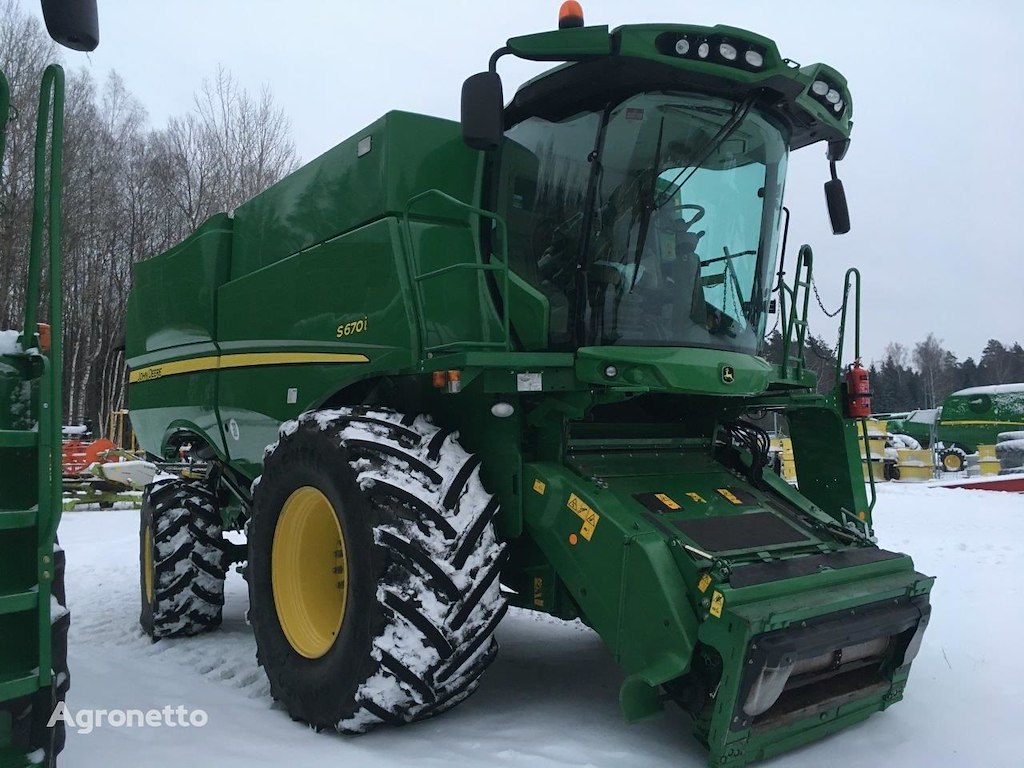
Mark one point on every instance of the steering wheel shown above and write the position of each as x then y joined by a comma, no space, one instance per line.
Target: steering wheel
679,224
697,215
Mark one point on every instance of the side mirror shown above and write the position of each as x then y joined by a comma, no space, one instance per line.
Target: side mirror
838,212
73,23
837,149
483,111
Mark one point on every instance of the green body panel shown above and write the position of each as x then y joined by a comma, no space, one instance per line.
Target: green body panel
562,44
675,369
355,277
384,255
827,455
189,276
405,154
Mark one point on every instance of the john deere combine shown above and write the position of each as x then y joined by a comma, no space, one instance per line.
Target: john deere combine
34,618
443,369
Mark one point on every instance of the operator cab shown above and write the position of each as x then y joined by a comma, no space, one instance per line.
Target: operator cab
642,182
667,202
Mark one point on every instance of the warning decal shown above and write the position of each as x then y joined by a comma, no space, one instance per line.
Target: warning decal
589,517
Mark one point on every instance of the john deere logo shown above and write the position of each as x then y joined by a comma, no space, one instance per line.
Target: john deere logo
728,374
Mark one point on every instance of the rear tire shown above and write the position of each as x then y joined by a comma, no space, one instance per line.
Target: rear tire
181,560
419,569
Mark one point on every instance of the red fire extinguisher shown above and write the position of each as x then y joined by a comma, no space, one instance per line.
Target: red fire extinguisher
858,391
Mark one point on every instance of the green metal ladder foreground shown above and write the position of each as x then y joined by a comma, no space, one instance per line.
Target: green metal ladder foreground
31,571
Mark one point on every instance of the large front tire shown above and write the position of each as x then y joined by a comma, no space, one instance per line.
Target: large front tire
373,569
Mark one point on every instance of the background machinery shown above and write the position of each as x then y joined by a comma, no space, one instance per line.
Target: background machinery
443,369
968,418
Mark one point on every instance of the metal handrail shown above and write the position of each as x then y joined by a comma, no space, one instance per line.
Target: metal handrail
51,113
853,276
804,263
51,108
495,266
852,272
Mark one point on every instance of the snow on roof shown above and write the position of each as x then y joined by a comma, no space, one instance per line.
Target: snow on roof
9,342
924,415
992,389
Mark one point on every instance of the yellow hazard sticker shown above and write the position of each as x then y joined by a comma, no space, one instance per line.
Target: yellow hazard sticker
717,604
539,487
538,591
667,501
589,517
704,583
730,496
696,497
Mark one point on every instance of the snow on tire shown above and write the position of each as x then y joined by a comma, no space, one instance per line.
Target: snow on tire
1011,452
181,559
422,564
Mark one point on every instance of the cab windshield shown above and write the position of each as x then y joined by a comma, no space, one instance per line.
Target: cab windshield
651,222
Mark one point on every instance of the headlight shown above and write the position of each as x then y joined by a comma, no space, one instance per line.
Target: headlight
727,51
753,58
832,97
703,50
819,87
682,46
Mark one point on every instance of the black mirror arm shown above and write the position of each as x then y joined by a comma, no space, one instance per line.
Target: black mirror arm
492,65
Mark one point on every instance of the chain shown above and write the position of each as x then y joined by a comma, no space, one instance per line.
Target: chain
807,344
775,327
814,285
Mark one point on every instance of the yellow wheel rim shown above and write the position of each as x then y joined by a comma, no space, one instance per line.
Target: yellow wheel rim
309,572
952,462
147,564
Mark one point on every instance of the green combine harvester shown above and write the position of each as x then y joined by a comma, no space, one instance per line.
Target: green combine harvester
447,368
34,618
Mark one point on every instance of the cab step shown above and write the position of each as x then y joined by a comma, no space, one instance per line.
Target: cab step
13,519
18,438
16,686
18,602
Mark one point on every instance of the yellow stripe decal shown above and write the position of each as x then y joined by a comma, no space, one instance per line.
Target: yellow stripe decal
172,369
959,423
241,360
287,358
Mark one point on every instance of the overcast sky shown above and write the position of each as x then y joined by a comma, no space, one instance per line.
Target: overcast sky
935,174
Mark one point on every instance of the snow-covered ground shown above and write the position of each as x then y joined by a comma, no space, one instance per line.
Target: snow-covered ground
550,699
